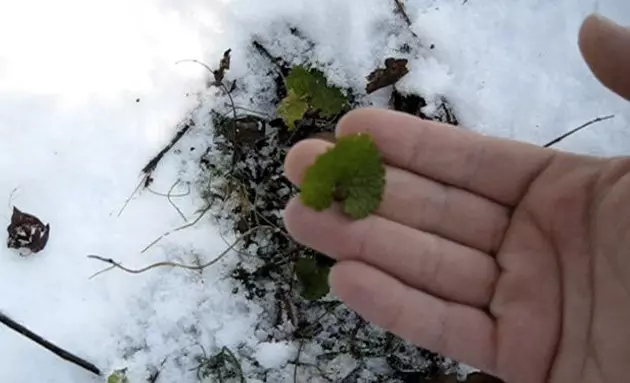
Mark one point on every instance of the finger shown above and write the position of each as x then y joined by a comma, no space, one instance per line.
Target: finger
453,330
424,204
421,260
500,170
606,49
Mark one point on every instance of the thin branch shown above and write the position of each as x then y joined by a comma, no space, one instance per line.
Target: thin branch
124,206
562,137
170,200
227,91
265,52
186,226
401,9
297,360
13,325
152,165
186,194
117,265
101,272
12,195
254,111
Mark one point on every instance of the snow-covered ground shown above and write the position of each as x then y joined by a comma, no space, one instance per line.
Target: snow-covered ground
89,92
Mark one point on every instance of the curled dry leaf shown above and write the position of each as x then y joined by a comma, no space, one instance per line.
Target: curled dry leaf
394,70
27,232
224,66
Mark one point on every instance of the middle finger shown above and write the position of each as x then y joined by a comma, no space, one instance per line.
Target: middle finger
423,204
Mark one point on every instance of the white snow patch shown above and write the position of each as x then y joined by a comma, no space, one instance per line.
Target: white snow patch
272,355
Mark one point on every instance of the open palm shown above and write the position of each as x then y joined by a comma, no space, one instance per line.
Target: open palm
503,255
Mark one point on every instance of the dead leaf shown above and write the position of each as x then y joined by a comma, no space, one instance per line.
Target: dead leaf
224,66
394,70
27,232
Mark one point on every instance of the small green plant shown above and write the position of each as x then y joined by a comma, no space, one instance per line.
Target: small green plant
221,367
118,376
351,172
307,89
313,278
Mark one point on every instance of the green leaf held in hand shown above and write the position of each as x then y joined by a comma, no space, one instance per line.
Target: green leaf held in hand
291,109
313,277
351,172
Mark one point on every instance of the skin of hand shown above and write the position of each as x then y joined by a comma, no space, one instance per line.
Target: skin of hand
506,256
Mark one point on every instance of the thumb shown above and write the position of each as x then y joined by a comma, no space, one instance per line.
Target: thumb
606,49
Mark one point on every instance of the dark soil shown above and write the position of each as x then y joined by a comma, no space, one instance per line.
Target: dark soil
249,190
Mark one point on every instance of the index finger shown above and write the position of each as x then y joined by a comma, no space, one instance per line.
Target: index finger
498,169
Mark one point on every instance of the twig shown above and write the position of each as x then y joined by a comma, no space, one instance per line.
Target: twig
186,226
48,345
124,206
225,88
254,111
170,200
282,66
291,309
401,9
187,193
12,195
263,51
594,121
152,165
154,376
101,272
175,264
297,360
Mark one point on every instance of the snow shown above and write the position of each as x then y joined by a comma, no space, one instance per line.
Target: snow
272,355
74,140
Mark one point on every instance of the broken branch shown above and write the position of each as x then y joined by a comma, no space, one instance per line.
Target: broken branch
114,264
152,165
401,9
13,325
562,137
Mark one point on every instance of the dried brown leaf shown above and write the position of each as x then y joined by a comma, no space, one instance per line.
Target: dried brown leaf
224,65
394,70
27,232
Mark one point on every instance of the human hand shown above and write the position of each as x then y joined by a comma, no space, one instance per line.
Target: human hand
503,255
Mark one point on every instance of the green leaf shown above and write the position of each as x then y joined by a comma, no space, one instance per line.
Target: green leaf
313,278
301,81
352,172
309,88
328,99
292,108
118,376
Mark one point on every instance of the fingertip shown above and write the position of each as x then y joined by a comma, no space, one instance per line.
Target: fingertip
605,46
358,120
588,34
301,156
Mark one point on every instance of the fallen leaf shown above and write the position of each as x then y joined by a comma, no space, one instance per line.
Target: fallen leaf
313,278
292,109
27,232
118,376
224,65
308,89
394,70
